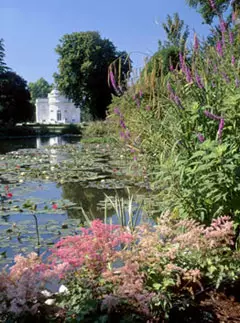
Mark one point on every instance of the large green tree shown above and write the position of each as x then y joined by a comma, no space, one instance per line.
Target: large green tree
3,66
39,89
212,8
84,58
14,99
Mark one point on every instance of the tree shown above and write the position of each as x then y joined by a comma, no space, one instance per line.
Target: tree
39,89
84,58
3,66
176,31
14,99
212,8
168,51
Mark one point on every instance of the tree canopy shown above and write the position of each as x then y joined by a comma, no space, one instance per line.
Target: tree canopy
15,103
167,55
84,58
39,89
14,99
3,66
210,9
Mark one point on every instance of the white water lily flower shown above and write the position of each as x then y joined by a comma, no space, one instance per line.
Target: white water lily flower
63,289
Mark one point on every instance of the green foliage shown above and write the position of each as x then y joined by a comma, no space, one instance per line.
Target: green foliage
14,99
72,129
3,66
97,129
83,64
207,12
184,124
166,264
176,31
39,89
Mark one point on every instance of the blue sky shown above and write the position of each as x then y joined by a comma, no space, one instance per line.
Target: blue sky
31,29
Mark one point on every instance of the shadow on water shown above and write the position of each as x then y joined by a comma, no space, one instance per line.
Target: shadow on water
12,144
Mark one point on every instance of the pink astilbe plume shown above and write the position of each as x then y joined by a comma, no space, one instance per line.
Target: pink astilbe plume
94,247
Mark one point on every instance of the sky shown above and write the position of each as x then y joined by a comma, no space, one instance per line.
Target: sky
31,29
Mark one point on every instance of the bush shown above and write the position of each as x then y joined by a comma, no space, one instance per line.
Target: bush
72,129
112,273
97,129
186,126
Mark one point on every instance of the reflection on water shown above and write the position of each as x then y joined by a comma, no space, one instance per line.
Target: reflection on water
89,199
7,145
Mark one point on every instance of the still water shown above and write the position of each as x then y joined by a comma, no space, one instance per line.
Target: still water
18,228
7,145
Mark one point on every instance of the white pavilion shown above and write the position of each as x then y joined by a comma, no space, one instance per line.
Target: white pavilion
56,109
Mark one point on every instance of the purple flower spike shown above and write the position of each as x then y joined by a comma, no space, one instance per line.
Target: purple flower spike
200,137
234,16
113,82
219,48
140,94
182,61
117,111
199,81
211,115
231,37
171,68
212,4
122,124
188,75
196,43
220,128
233,60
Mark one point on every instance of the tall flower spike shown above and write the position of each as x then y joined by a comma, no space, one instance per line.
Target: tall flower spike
212,4
196,43
220,128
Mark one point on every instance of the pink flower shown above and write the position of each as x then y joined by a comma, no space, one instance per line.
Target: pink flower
54,206
9,195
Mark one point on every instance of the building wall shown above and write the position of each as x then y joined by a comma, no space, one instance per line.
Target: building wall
42,110
56,109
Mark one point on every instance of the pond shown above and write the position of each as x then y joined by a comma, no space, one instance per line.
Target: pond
7,145
51,186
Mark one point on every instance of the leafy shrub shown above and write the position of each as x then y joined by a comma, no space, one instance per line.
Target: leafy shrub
112,273
72,129
185,126
97,129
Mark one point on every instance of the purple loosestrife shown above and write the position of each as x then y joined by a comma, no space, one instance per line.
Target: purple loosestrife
211,115
233,60
171,68
226,78
188,75
182,62
196,43
220,128
212,4
200,137
234,16
219,48
199,81
122,124
113,82
117,111
231,39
